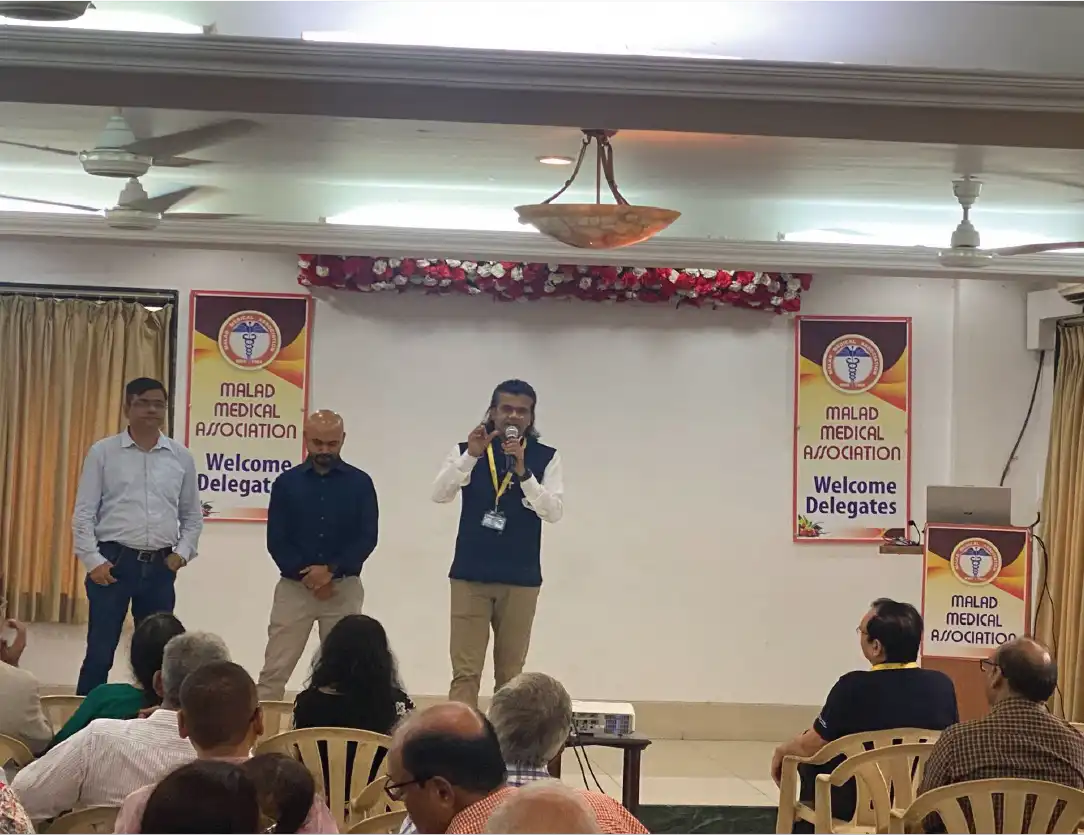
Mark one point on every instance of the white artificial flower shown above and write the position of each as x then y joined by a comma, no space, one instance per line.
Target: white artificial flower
709,273
790,294
497,270
586,283
304,263
322,272
629,294
423,262
395,263
428,281
750,288
793,285
445,282
639,272
556,277
469,267
777,300
517,273
553,267
549,287
304,281
473,291
366,288
400,280
380,266
484,270
451,262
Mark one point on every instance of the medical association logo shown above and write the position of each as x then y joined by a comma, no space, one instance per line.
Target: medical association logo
852,364
976,561
249,340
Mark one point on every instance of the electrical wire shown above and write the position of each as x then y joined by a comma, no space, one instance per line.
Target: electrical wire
577,748
1045,590
1027,420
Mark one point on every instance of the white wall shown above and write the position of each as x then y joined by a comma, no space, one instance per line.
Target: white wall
673,576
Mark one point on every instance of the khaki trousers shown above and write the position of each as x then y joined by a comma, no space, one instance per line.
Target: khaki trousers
293,612
475,608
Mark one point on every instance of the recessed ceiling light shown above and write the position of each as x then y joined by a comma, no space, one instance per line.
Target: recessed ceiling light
551,160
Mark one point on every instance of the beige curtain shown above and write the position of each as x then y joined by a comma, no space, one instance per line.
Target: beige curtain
1061,625
63,366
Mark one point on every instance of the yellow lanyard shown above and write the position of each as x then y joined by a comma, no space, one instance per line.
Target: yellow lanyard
503,486
910,665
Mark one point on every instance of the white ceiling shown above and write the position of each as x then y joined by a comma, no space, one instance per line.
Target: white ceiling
1029,36
450,175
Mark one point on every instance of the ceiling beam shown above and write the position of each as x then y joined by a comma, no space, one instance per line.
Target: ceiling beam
246,75
295,238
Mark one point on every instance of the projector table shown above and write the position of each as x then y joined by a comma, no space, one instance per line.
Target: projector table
631,745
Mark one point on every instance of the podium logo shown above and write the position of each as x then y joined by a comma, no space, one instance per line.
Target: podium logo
976,561
852,364
249,340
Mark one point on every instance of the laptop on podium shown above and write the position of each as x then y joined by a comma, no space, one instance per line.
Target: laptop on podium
969,506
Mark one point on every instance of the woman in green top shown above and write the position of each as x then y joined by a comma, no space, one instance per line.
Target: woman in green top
124,701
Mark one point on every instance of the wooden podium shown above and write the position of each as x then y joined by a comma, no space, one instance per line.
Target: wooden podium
976,595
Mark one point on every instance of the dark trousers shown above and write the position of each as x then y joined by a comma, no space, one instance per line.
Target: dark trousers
144,581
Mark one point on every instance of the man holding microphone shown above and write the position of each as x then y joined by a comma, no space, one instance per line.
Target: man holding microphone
510,483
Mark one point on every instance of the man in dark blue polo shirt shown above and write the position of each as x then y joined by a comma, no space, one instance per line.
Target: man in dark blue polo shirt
321,527
893,693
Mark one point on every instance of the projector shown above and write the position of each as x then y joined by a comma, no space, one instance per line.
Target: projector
611,718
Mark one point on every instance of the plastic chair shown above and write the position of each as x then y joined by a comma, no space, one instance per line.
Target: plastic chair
305,745
278,717
888,778
385,824
792,810
59,709
12,750
92,819
1054,807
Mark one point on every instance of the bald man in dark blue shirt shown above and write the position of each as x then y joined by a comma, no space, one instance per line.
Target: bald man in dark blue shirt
321,527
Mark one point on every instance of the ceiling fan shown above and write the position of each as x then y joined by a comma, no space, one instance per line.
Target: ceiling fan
118,153
135,209
965,252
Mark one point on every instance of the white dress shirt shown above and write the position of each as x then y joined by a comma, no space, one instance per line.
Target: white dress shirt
102,764
145,499
545,498
21,715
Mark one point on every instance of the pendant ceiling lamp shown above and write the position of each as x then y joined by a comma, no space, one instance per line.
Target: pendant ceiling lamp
596,225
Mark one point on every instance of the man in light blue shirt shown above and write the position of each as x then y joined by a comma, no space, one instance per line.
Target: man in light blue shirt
136,523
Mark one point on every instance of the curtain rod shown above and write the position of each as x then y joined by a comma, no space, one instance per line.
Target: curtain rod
90,293
1071,321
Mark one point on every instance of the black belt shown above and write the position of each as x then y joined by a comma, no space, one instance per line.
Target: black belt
143,555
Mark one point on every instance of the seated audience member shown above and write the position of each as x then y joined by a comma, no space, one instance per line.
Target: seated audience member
220,716
13,817
542,807
287,794
110,758
206,796
21,715
894,693
532,715
1019,737
124,701
445,765
354,682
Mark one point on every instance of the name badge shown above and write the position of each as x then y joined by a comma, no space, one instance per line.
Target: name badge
494,520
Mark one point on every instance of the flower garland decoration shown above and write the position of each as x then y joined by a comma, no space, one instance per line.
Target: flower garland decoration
518,281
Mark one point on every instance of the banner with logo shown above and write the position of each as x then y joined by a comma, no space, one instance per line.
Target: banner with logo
248,392
852,428
976,590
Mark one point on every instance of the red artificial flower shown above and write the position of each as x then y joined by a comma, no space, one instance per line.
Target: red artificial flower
407,267
684,282
442,270
744,279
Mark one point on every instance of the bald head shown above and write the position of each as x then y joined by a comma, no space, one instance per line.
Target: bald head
543,807
324,436
1028,669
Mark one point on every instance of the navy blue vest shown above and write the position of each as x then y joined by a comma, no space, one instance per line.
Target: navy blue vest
512,556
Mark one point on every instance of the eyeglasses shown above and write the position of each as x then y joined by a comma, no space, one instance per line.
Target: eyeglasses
987,664
396,790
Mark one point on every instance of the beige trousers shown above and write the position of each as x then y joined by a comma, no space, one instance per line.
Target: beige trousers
293,612
475,608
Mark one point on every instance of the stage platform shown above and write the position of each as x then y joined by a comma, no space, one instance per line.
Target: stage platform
693,786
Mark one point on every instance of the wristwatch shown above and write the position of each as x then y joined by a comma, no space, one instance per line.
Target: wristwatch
527,474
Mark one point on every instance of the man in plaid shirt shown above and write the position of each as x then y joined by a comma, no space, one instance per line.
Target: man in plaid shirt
1019,737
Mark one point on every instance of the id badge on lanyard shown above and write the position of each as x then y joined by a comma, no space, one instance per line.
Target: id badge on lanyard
494,519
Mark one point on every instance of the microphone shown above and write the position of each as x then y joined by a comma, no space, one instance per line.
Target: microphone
511,433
